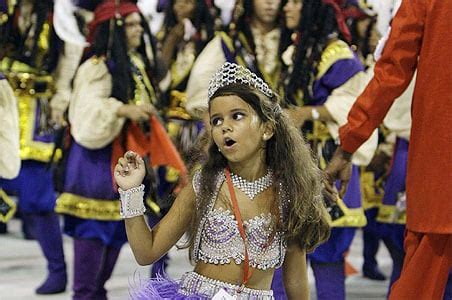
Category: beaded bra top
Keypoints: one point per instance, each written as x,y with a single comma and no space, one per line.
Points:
218,240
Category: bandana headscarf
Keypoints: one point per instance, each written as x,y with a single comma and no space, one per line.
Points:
110,9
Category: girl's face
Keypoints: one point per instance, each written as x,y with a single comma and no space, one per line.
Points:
134,30
292,13
266,11
183,9
236,129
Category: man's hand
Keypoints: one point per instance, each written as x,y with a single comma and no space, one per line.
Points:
339,168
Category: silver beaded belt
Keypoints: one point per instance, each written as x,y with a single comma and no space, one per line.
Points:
193,283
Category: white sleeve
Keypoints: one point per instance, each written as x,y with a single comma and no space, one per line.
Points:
92,112
65,71
339,104
9,132
207,63
398,118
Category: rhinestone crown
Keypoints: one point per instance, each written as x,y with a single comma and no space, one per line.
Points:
231,73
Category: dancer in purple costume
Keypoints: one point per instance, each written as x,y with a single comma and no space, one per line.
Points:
114,90
259,170
30,58
363,26
323,77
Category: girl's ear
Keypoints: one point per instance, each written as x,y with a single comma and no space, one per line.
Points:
268,131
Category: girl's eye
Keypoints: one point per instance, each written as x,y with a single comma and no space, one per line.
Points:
238,116
216,121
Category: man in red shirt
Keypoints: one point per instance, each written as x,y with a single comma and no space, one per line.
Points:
420,39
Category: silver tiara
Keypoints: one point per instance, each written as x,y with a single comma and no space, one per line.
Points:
231,73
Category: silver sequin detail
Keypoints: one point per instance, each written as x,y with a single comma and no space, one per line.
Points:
252,189
231,73
218,240
132,202
221,242
193,283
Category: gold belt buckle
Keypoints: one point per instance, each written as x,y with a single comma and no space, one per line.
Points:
31,84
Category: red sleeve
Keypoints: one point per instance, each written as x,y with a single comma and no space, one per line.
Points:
393,73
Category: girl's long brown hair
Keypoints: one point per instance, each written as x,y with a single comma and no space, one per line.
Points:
287,154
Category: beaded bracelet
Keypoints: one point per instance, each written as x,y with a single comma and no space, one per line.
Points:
132,202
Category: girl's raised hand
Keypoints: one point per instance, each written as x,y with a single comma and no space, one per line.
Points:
129,171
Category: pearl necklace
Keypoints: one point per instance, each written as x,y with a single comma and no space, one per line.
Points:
252,189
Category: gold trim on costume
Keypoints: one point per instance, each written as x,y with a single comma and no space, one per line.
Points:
269,77
389,214
23,79
43,41
144,91
335,51
88,208
353,217
153,206
182,65
10,203
29,148
177,106
318,138
3,18
371,190
228,41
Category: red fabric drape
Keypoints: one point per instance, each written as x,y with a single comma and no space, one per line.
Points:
157,144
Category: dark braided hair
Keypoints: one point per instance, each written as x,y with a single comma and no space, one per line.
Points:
14,43
317,23
118,61
202,20
243,26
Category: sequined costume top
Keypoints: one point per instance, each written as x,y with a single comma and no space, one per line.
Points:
218,240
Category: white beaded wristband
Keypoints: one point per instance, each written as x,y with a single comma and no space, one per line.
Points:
132,202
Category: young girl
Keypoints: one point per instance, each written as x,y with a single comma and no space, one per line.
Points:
253,206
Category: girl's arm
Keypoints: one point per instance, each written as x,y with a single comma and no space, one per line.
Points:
295,274
149,245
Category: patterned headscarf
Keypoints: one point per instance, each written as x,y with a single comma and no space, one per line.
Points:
108,10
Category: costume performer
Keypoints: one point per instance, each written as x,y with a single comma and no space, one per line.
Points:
9,148
234,255
111,108
36,66
362,21
187,28
253,41
391,215
9,134
323,78
418,40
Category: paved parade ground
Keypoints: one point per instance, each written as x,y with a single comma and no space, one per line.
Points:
22,268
